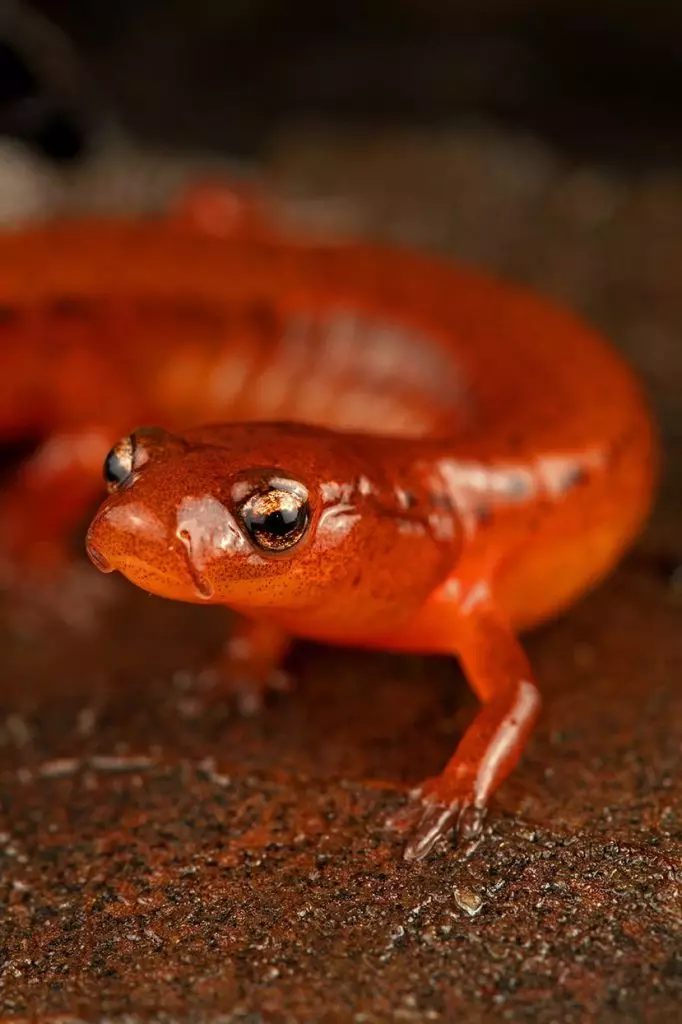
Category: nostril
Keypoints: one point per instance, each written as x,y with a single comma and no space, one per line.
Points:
95,556
98,560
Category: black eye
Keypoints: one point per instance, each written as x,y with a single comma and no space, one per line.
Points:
276,519
118,465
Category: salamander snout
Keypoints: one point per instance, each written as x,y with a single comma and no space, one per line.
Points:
131,531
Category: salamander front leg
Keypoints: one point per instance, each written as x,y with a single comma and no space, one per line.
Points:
226,209
498,670
248,212
250,665
53,489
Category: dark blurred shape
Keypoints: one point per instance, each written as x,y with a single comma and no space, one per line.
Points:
42,101
29,114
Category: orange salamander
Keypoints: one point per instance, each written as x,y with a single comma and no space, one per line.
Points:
401,454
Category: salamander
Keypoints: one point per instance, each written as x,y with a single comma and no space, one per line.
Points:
399,453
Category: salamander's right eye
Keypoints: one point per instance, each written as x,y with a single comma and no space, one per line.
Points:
118,465
277,517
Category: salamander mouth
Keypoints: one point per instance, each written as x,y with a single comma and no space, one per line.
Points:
160,583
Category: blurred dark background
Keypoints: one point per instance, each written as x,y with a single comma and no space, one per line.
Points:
603,77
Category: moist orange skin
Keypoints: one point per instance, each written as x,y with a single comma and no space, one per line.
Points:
475,458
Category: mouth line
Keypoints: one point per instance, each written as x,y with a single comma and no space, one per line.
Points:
155,581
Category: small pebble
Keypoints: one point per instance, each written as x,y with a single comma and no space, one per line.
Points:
468,901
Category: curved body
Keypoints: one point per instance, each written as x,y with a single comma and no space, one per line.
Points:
470,457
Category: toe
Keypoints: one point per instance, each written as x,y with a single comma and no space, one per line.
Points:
435,821
431,813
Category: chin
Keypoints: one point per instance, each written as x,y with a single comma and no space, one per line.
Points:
159,584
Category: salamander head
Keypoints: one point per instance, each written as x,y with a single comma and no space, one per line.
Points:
277,518
251,516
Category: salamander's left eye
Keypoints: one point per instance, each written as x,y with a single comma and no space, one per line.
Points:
118,465
277,518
